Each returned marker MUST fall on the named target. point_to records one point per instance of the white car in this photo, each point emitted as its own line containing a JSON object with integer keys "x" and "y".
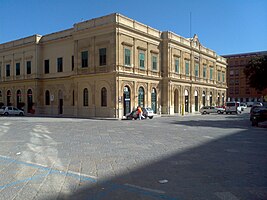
{"x": 148, "y": 112}
{"x": 10, "y": 110}
{"x": 211, "y": 109}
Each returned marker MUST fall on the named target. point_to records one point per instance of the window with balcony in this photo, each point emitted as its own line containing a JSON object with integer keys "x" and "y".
{"x": 29, "y": 67}
{"x": 223, "y": 77}
{"x": 17, "y": 69}
{"x": 7, "y": 70}
{"x": 127, "y": 57}
{"x": 176, "y": 65}
{"x": 211, "y": 73}
{"x": 196, "y": 69}
{"x": 84, "y": 56}
{"x": 102, "y": 56}
{"x": 141, "y": 60}
{"x": 204, "y": 71}
{"x": 46, "y": 66}
{"x": 60, "y": 64}
{"x": 154, "y": 62}
{"x": 187, "y": 68}
{"x": 219, "y": 77}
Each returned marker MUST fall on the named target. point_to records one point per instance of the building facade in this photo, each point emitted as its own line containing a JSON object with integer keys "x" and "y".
{"x": 106, "y": 67}
{"x": 238, "y": 85}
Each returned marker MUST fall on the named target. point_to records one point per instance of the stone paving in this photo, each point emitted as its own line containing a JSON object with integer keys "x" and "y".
{"x": 198, "y": 157}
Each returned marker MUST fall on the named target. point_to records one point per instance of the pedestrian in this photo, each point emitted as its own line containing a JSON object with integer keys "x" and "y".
{"x": 140, "y": 113}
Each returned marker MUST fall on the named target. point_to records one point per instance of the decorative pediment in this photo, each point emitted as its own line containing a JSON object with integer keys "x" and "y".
{"x": 195, "y": 41}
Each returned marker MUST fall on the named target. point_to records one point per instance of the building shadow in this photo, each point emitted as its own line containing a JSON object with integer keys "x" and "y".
{"x": 231, "y": 167}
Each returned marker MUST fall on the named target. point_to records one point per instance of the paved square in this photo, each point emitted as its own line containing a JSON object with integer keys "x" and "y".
{"x": 201, "y": 157}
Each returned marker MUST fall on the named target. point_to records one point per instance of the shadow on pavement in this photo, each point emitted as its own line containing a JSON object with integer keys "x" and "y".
{"x": 233, "y": 168}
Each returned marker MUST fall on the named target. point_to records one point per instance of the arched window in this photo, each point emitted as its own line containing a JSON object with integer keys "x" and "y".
{"x": 104, "y": 97}
{"x": 141, "y": 97}
{"x": 47, "y": 98}
{"x": 85, "y": 97}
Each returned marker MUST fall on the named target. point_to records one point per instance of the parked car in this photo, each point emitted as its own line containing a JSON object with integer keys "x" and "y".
{"x": 233, "y": 107}
{"x": 148, "y": 112}
{"x": 10, "y": 110}
{"x": 259, "y": 114}
{"x": 253, "y": 108}
{"x": 211, "y": 109}
{"x": 132, "y": 115}
{"x": 243, "y": 106}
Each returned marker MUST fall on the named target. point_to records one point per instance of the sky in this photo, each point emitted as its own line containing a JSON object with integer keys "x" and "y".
{"x": 225, "y": 26}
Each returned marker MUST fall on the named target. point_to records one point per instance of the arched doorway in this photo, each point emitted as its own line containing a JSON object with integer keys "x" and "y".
{"x": 141, "y": 97}
{"x": 186, "y": 101}
{"x": 222, "y": 98}
{"x": 8, "y": 98}
{"x": 29, "y": 100}
{"x": 210, "y": 98}
{"x": 126, "y": 100}
{"x": 176, "y": 101}
{"x": 19, "y": 99}
{"x": 60, "y": 102}
{"x": 196, "y": 101}
{"x": 204, "y": 98}
{"x": 154, "y": 100}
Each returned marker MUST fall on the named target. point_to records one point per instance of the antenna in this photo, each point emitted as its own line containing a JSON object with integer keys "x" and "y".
{"x": 190, "y": 24}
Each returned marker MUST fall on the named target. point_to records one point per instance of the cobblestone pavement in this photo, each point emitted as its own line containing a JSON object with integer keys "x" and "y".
{"x": 199, "y": 157}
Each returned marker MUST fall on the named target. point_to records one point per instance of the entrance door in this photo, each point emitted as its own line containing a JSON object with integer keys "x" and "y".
{"x": 60, "y": 102}
{"x": 176, "y": 100}
{"x": 186, "y": 101}
{"x": 29, "y": 100}
{"x": 141, "y": 97}
{"x": 196, "y": 101}
{"x": 154, "y": 100}
{"x": 126, "y": 100}
{"x": 60, "y": 106}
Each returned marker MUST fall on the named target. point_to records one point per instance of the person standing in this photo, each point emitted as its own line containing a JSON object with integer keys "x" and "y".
{"x": 140, "y": 113}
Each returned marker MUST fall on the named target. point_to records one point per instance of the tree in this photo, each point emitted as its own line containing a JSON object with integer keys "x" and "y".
{"x": 256, "y": 72}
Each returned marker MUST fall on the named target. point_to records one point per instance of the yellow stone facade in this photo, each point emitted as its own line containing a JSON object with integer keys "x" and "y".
{"x": 106, "y": 67}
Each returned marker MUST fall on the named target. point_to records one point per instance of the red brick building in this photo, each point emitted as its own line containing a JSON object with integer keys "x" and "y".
{"x": 238, "y": 85}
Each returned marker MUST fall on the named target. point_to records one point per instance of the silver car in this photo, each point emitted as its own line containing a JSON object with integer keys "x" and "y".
{"x": 211, "y": 109}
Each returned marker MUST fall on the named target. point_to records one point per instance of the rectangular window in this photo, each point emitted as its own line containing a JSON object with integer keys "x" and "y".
{"x": 204, "y": 71}
{"x": 72, "y": 63}
{"x": 223, "y": 77}
{"x": 127, "y": 57}
{"x": 142, "y": 60}
{"x": 211, "y": 73}
{"x": 60, "y": 64}
{"x": 236, "y": 72}
{"x": 219, "y": 76}
{"x": 84, "y": 55}
{"x": 196, "y": 69}
{"x": 102, "y": 56}
{"x": 187, "y": 68}
{"x": 17, "y": 69}
{"x": 29, "y": 67}
{"x": 7, "y": 70}
{"x": 154, "y": 62}
{"x": 176, "y": 65}
{"x": 46, "y": 66}
{"x": 232, "y": 72}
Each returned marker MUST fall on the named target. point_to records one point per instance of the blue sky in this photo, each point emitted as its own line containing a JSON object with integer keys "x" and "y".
{"x": 226, "y": 26}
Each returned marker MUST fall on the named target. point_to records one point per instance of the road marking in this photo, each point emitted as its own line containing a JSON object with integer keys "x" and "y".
{"x": 226, "y": 196}
{"x": 144, "y": 188}
{"x": 110, "y": 186}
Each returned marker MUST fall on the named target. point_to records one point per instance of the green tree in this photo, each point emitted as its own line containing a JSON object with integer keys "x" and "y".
{"x": 256, "y": 72}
